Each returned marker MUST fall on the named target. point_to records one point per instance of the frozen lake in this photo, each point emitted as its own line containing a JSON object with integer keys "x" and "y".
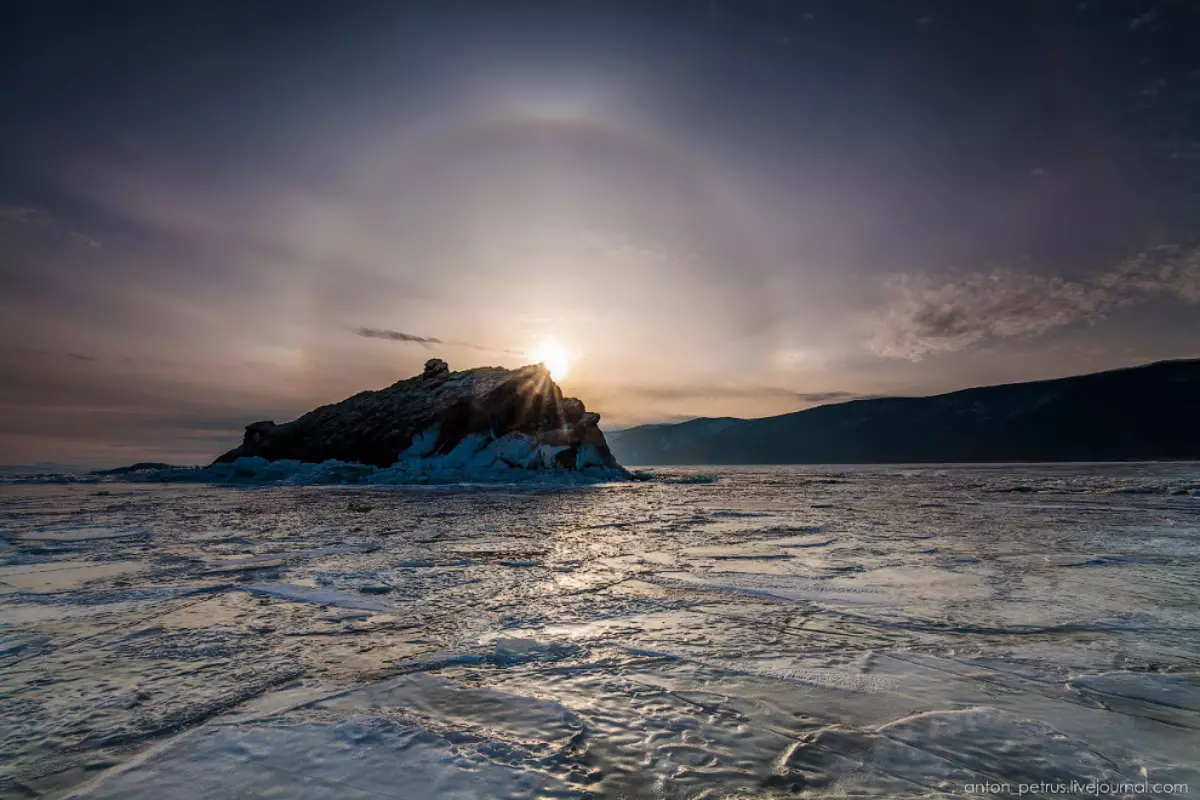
{"x": 776, "y": 631}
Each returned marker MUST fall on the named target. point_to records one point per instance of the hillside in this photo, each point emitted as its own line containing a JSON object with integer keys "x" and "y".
{"x": 1140, "y": 413}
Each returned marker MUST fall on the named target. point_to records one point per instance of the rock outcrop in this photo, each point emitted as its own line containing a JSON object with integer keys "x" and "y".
{"x": 474, "y": 420}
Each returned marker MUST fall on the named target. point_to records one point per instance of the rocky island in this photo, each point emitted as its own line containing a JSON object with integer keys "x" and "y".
{"x": 440, "y": 423}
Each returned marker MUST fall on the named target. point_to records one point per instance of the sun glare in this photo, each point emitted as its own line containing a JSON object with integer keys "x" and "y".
{"x": 555, "y": 357}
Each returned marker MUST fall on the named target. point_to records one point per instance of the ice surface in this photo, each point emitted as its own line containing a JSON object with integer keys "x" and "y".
{"x": 56, "y": 576}
{"x": 80, "y": 534}
{"x": 947, "y": 750}
{"x": 321, "y": 597}
{"x": 762, "y": 632}
{"x": 357, "y": 757}
{"x": 287, "y": 556}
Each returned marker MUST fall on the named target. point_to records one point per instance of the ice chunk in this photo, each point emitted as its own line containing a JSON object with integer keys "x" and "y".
{"x": 588, "y": 456}
{"x": 547, "y": 456}
{"x": 484, "y": 459}
{"x": 422, "y": 444}
{"x": 514, "y": 449}
{"x": 463, "y": 451}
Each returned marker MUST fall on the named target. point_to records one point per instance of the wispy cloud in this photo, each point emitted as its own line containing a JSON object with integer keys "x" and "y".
{"x": 724, "y": 392}
{"x": 83, "y": 238}
{"x": 401, "y": 336}
{"x": 43, "y": 353}
{"x": 23, "y": 215}
{"x": 36, "y": 219}
{"x": 398, "y": 336}
{"x": 927, "y": 315}
{"x": 826, "y": 397}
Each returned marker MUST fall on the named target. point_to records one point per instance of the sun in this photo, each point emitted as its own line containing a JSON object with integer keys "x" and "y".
{"x": 556, "y": 358}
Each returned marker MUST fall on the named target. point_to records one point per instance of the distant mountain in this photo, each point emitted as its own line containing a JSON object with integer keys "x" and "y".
{"x": 1140, "y": 413}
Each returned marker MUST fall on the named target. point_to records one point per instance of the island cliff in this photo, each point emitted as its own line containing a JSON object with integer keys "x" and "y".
{"x": 476, "y": 419}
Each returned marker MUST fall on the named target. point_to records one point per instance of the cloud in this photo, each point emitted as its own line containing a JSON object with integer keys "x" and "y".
{"x": 26, "y": 216}
{"x": 825, "y": 397}
{"x": 927, "y": 315}
{"x": 37, "y": 219}
{"x": 42, "y": 353}
{"x": 722, "y": 392}
{"x": 84, "y": 238}
{"x": 397, "y": 336}
{"x": 400, "y": 336}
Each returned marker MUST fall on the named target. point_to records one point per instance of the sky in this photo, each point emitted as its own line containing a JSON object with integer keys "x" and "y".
{"x": 214, "y": 213}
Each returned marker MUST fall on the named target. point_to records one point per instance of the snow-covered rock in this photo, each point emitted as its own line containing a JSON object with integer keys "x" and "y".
{"x": 437, "y": 426}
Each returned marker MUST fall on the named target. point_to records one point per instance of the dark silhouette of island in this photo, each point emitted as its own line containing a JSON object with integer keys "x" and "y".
{"x": 476, "y": 419}
{"x": 1140, "y": 413}
{"x": 141, "y": 466}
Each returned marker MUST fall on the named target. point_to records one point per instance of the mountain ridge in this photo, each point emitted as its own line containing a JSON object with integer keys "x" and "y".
{"x": 1144, "y": 412}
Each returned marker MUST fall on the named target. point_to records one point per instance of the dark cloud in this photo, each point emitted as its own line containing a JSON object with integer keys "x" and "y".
{"x": 928, "y": 315}
{"x": 826, "y": 397}
{"x": 398, "y": 336}
{"x": 42, "y": 353}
